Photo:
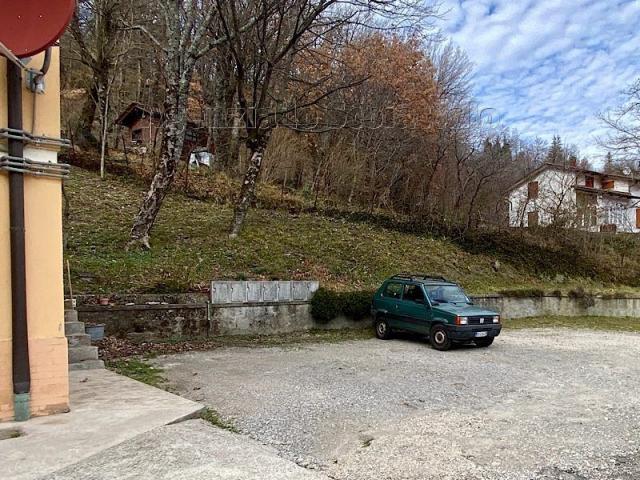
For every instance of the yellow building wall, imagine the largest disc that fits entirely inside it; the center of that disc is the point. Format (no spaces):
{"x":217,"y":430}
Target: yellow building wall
{"x":44,"y":268}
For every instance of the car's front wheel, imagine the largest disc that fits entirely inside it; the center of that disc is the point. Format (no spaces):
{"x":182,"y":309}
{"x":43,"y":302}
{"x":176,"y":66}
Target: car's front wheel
{"x":440,"y":338}
{"x":484,"y":342}
{"x":383,"y":331}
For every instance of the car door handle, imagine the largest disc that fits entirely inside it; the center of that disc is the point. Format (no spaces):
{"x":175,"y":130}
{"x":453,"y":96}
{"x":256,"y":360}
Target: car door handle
{"x":397,"y":307}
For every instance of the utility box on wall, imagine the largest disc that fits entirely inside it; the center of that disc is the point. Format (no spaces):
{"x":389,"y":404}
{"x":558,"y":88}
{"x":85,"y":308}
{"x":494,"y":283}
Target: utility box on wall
{"x":256,"y":291}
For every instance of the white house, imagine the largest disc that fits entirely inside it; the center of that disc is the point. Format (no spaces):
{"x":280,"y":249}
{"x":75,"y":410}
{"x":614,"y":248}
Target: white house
{"x":571,"y":196}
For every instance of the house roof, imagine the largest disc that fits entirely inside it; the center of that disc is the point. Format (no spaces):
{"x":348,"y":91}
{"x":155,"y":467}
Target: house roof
{"x":133,"y":112}
{"x":136,"y":110}
{"x":547,"y":166}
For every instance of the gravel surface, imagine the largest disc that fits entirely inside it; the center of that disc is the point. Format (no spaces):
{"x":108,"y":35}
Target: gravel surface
{"x":538,"y":404}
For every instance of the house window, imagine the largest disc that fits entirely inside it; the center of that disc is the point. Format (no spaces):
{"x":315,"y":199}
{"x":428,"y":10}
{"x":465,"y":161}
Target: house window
{"x":616,"y":215}
{"x":588,"y":181}
{"x":533,"y":219}
{"x":532,"y":190}
{"x":608,"y":184}
{"x":136,"y":135}
{"x":586,"y":209}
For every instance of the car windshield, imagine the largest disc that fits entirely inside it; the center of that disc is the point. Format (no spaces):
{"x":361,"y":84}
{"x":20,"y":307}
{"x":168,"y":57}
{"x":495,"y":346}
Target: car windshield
{"x":446,"y":294}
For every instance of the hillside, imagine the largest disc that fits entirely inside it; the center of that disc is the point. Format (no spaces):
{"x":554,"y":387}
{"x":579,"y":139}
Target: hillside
{"x":191,"y":247}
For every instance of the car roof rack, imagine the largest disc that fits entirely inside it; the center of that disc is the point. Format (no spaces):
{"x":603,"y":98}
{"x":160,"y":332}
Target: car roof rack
{"x":420,"y":276}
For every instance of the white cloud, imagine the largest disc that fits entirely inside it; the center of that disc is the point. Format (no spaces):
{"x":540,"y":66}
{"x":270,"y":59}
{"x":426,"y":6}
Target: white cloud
{"x":548,"y":67}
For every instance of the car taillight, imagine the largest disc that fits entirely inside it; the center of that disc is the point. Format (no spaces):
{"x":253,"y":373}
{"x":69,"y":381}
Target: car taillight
{"x":461,"y":320}
{"x":496,"y":319}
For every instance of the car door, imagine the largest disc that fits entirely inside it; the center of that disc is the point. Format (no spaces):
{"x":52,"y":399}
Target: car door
{"x":390,"y":302}
{"x":414,"y":312}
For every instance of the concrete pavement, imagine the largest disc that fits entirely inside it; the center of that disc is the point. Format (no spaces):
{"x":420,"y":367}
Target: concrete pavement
{"x":191,"y":450}
{"x":106,"y":410}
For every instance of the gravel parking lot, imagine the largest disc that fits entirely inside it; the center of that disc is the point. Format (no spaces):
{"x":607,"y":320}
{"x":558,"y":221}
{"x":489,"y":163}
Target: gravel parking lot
{"x":538,"y":404}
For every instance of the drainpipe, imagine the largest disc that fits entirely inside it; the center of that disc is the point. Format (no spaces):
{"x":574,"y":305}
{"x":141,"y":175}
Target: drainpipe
{"x":20,"y":336}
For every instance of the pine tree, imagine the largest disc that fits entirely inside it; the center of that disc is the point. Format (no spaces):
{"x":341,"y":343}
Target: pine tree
{"x":609,"y":166}
{"x":556,"y":152}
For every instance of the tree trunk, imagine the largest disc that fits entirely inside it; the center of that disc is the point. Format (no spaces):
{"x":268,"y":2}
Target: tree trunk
{"x":94,"y":104}
{"x":235,"y":144}
{"x":224,"y":93}
{"x":84,"y":132}
{"x":175,"y":128}
{"x":104,"y":117}
{"x":472,"y":202}
{"x":256,"y":147}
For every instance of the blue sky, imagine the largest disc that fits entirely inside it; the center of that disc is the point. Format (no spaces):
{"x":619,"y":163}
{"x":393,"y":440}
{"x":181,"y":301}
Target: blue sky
{"x":549,"y":66}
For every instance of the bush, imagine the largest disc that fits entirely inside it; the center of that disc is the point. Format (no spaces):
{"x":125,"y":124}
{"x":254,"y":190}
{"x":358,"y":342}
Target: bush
{"x":327,"y":305}
{"x":356,"y":305}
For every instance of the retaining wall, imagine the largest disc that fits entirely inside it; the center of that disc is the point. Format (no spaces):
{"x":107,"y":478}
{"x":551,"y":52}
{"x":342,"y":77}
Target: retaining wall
{"x":513,"y":307}
{"x":233,"y":308}
{"x":251,"y":307}
{"x":255,"y":307}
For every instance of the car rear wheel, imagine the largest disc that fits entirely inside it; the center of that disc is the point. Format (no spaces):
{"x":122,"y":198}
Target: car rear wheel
{"x":484,"y":342}
{"x":440,"y":338}
{"x":383,"y":331}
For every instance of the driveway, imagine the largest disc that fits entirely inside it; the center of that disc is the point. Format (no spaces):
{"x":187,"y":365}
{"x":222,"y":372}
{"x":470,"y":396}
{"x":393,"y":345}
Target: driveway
{"x":538,"y":404}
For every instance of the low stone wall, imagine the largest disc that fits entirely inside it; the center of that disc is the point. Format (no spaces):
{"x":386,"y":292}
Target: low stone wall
{"x":235,"y":308}
{"x":149,"y":321}
{"x":515,"y":307}
{"x":148,"y":315}
{"x":262,"y":308}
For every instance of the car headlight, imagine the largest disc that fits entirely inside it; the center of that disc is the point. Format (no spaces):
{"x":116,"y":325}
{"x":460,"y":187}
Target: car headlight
{"x":462,"y":321}
{"x":496,"y":319}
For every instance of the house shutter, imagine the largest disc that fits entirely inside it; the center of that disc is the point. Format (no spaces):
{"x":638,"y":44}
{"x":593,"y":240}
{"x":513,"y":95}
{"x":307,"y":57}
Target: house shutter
{"x":607,"y":184}
{"x":637,"y":217}
{"x":533,"y":189}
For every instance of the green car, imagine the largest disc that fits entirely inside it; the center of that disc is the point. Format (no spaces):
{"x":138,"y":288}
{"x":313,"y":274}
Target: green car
{"x":435,"y":307}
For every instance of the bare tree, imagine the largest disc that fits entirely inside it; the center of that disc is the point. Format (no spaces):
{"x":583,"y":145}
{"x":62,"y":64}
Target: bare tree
{"x":183,"y":39}
{"x":265,"y":65}
{"x":96,"y":30}
{"x":216,"y":71}
{"x":624,"y":123}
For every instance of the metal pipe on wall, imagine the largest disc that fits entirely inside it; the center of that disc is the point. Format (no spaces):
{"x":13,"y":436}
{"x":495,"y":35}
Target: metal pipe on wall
{"x":20,"y":336}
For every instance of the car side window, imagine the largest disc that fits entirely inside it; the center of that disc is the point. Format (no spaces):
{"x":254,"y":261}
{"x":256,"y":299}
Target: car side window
{"x":393,"y":290}
{"x":413,"y":293}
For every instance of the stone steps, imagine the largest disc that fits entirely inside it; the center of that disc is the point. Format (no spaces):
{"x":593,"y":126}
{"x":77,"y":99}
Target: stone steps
{"x":82,"y":352}
{"x":72,"y":328}
{"x":70,"y":316}
{"x":82,"y":355}
{"x":78,"y":339}
{"x":86,"y":365}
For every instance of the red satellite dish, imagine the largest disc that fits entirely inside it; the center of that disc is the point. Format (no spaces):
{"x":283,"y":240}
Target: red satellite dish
{"x":28,"y":27}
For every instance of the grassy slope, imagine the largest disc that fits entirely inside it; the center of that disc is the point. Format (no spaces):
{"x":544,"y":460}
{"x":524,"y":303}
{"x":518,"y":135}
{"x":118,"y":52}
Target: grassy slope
{"x":191,"y":247}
